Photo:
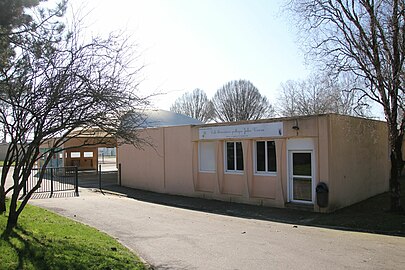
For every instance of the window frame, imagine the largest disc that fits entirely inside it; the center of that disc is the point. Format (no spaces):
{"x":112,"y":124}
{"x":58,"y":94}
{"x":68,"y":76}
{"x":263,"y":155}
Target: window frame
{"x":235,"y":171}
{"x":200,"y":159}
{"x":74,"y":153}
{"x":86,"y":154}
{"x":266,"y":172}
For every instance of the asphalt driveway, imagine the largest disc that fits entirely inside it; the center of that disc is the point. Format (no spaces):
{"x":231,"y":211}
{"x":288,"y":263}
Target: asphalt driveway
{"x":177,"y":238}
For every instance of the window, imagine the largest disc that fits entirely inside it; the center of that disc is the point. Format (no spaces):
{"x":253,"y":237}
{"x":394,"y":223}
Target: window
{"x":234,"y":157}
{"x":265,"y":157}
{"x":207,"y":156}
{"x":75,"y":154}
{"x":88,"y":154}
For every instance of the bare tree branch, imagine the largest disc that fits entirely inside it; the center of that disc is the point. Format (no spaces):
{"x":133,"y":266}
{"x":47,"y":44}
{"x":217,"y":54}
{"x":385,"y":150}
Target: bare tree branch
{"x":194,"y":104}
{"x":240,"y":100}
{"x":365,"y":38}
{"x":320,"y":94}
{"x":58,"y":87}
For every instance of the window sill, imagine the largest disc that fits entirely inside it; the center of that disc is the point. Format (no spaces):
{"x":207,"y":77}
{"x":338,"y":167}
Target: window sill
{"x":265,"y":174}
{"x":211,"y":172}
{"x":235,"y":172}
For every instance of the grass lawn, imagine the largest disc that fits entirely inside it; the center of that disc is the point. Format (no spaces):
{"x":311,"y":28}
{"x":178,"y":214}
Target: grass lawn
{"x":44,"y":240}
{"x":2,"y":162}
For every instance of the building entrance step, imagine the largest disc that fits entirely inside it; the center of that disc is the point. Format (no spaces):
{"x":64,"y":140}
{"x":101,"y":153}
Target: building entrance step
{"x":300,"y":206}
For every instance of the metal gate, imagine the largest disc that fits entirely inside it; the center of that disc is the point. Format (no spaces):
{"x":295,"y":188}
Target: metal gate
{"x":54,"y":180}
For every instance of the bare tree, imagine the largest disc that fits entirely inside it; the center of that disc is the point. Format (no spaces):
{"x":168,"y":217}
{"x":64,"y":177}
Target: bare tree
{"x":320,"y":94}
{"x":240,"y":100}
{"x":57,"y":87}
{"x":195,"y":105}
{"x":348,"y":100}
{"x":367,"y":38}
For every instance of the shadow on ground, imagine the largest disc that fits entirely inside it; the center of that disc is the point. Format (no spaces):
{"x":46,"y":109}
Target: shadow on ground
{"x":90,"y":179}
{"x":371,"y":215}
{"x":86,"y":179}
{"x":59,"y":194}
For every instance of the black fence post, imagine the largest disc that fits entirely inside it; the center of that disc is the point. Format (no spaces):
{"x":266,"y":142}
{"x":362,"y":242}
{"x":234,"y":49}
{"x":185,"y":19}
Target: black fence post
{"x":76,"y":182}
{"x":51,"y":169}
{"x":119,"y":174}
{"x":99,"y":176}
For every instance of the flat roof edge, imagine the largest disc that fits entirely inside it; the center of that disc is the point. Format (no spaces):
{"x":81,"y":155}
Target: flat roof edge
{"x":286,"y":118}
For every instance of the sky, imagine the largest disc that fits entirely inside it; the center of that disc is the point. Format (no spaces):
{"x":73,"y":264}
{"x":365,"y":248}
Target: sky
{"x":188,"y":44}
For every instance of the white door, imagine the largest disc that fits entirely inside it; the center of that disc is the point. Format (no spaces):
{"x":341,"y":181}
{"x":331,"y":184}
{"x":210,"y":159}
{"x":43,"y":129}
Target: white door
{"x":301,"y":176}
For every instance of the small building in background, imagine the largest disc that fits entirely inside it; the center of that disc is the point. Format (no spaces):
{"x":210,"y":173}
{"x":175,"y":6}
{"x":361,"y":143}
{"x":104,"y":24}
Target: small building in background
{"x":80,"y":150}
{"x":3,"y":150}
{"x":321,"y":163}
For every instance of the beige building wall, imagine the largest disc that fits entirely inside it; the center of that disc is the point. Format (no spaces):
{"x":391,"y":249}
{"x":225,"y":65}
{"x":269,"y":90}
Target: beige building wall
{"x":246,"y":187}
{"x":249,"y":187}
{"x":144,"y":168}
{"x":358,"y":160}
{"x":350,"y":155}
{"x":178,"y":160}
{"x":163,"y":166}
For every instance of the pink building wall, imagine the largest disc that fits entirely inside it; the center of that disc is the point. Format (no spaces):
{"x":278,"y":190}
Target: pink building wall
{"x":164,"y":166}
{"x":349,"y":155}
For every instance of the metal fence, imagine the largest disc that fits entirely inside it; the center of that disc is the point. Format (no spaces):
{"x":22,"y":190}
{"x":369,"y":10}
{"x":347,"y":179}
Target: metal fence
{"x":54,"y":180}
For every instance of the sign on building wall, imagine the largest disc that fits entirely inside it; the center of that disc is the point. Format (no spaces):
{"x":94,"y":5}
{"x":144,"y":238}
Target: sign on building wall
{"x":242,"y":131}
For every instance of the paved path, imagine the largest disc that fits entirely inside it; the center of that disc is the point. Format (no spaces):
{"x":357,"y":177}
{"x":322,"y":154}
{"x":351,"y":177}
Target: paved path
{"x":175,"y":238}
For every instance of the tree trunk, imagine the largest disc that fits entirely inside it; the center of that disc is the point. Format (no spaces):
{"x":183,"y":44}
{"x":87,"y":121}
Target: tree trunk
{"x":12,"y":214}
{"x":2,"y":200}
{"x":398,"y":150}
{"x":396,"y":168}
{"x":11,"y":222}
{"x":395,"y":193}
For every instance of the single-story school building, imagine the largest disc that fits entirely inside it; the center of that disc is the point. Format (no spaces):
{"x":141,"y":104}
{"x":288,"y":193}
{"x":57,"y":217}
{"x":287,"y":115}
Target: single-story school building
{"x":321,"y":163}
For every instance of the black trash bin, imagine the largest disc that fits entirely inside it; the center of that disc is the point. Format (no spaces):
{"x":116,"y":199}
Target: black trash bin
{"x":322,"y":194}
